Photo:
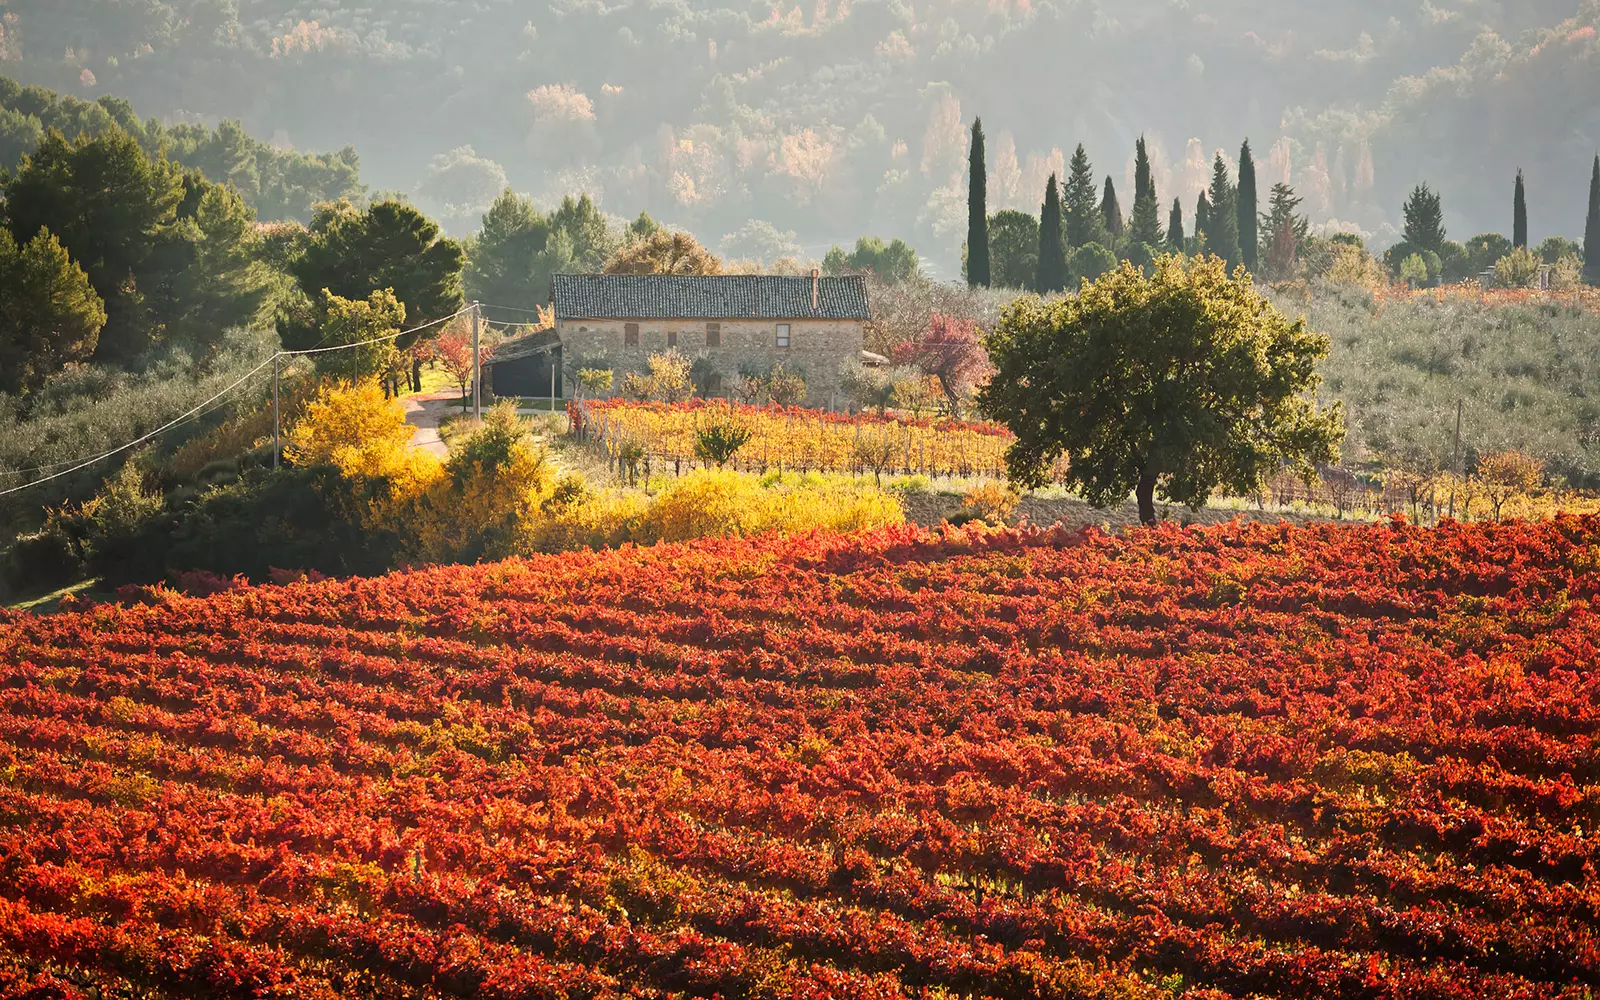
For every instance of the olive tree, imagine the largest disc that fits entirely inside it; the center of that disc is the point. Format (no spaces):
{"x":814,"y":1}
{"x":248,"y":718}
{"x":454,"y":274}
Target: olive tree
{"x":1180,"y":381}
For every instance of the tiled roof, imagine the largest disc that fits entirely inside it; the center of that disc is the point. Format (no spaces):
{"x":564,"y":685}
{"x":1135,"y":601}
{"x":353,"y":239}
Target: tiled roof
{"x":722,"y":296}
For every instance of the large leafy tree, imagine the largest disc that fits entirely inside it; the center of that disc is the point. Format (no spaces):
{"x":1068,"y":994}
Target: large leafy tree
{"x":893,"y":262}
{"x":353,"y":253}
{"x":1052,"y":273}
{"x":978,"y":271}
{"x":1591,"y":229}
{"x":1144,"y":225}
{"x":1222,"y":229}
{"x":49,"y":312}
{"x":1246,"y":204}
{"x":664,"y":252}
{"x":1080,"y":203}
{"x":1424,"y":219}
{"x":1013,"y":249}
{"x":1179,"y":382}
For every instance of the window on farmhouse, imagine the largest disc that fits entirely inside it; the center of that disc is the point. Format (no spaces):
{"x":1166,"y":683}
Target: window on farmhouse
{"x":783,"y":335}
{"x":672,"y":338}
{"x":713,"y":334}
{"x":630,"y":335}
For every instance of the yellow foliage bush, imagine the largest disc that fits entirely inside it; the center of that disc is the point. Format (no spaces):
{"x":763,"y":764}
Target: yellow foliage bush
{"x":576,"y":517}
{"x":494,"y":484}
{"x":353,"y":428}
{"x":992,"y":500}
{"x":724,"y":502}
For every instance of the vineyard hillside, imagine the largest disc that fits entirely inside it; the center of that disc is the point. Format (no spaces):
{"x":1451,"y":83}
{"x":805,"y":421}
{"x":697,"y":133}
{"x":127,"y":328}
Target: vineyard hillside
{"x":1233,"y":761}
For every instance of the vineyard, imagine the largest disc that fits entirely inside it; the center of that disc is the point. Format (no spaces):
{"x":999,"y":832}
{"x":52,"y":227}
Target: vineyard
{"x":1241,"y":761}
{"x":786,"y":437}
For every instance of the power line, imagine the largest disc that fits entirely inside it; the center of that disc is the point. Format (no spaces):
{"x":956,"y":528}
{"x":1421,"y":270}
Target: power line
{"x":141,"y":440}
{"x":85,"y":463}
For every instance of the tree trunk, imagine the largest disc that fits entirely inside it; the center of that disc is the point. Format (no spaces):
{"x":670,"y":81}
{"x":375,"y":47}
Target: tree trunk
{"x":1146,"y":492}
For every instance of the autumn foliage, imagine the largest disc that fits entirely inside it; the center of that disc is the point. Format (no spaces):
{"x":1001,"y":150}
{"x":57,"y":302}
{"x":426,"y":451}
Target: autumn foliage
{"x":1323,"y":762}
{"x":791,"y":437}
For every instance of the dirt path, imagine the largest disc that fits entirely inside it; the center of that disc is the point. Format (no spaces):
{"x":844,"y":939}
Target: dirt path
{"x":424,"y":414}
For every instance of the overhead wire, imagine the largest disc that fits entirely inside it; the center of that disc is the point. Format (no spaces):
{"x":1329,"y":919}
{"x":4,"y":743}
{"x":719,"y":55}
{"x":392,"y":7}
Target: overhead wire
{"x":77,"y":465}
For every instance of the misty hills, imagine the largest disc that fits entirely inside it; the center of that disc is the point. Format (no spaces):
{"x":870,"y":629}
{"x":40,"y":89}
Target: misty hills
{"x":839,"y":117}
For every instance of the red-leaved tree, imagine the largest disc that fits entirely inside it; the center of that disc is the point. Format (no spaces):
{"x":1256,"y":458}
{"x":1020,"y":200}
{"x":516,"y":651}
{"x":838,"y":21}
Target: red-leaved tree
{"x":951,"y":352}
{"x":453,"y":349}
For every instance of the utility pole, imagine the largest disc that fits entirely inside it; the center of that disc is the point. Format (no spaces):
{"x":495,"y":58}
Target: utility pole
{"x":552,"y":382}
{"x":1455,"y":449}
{"x":277,"y":445}
{"x":477,"y":363}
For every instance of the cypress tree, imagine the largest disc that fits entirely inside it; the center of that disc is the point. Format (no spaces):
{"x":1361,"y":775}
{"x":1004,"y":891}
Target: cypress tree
{"x":1175,"y":227}
{"x":1249,"y":246}
{"x":1591,"y":230}
{"x":1145,"y":224}
{"x":1081,"y":203}
{"x":977,"y":213}
{"x":1202,"y":222}
{"x":1052,"y":275}
{"x":1519,"y":214}
{"x":1111,"y":213}
{"x":1222,"y":236}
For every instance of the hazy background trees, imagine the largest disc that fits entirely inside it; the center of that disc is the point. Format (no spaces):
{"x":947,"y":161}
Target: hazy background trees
{"x":833,"y":119}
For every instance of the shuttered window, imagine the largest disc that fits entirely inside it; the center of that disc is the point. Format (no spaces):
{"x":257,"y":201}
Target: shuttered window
{"x":713,"y":334}
{"x":783,"y":336}
{"x":630,"y":335}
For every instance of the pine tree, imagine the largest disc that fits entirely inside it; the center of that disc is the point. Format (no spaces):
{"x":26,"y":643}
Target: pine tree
{"x":1519,"y":215}
{"x":1249,"y":246}
{"x":1591,"y":230}
{"x":1424,"y":218}
{"x":1282,"y":231}
{"x":977,"y":213}
{"x":1222,"y":238}
{"x":1175,"y":227}
{"x":1145,"y":224}
{"x":1052,"y":247}
{"x":1111,"y":213}
{"x":1081,"y":203}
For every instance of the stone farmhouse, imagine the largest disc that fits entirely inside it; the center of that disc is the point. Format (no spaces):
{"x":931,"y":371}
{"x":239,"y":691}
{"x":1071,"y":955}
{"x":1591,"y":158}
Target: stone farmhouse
{"x":811,"y":324}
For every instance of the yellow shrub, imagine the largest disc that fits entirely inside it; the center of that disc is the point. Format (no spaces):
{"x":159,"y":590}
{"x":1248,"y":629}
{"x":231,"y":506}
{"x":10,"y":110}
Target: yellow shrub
{"x":992,"y":500}
{"x":724,"y":502}
{"x":362,"y":434}
{"x":494,"y":483}
{"x":576,"y":517}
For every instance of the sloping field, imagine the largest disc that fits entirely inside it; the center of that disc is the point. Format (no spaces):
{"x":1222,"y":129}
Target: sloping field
{"x":1244,"y":760}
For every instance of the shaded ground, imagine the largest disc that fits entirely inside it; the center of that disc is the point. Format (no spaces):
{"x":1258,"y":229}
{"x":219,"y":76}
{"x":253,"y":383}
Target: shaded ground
{"x":931,"y":508}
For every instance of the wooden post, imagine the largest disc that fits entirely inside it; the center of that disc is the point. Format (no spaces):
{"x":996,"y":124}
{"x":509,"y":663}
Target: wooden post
{"x":277,"y":442}
{"x":477,"y":364}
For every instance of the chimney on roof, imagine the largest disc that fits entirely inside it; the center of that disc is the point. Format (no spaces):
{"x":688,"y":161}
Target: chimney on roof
{"x":816,"y":291}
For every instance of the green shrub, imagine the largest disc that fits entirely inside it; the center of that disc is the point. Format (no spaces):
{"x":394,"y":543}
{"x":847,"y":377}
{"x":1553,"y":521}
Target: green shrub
{"x":42,"y":561}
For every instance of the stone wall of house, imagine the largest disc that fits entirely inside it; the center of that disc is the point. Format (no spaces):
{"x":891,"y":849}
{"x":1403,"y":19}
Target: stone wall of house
{"x":817,"y":348}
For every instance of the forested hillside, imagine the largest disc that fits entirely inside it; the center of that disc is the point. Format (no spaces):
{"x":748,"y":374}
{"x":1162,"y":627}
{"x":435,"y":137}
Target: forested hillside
{"x":842,"y":116}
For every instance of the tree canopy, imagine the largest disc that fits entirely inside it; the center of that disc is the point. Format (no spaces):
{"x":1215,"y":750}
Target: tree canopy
{"x":664,"y":252}
{"x":1177,"y":382}
{"x":390,"y":245}
{"x":173,"y":256}
{"x":49,"y":313}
